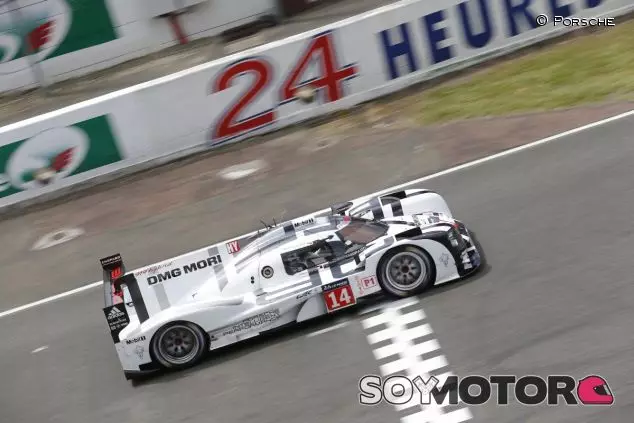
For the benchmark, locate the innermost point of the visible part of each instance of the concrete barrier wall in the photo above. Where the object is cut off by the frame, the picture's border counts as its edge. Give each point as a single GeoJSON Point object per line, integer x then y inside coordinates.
{"type": "Point", "coordinates": [255, 91]}
{"type": "Point", "coordinates": [70, 38]}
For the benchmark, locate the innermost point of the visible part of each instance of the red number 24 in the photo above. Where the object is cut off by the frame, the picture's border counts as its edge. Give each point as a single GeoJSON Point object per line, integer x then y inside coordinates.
{"type": "Point", "coordinates": [227, 127]}
{"type": "Point", "coordinates": [321, 47]}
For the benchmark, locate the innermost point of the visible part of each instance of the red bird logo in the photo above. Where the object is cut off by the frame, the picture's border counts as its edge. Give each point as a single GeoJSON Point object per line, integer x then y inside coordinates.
{"type": "Point", "coordinates": [62, 160]}
{"type": "Point", "coordinates": [40, 35]}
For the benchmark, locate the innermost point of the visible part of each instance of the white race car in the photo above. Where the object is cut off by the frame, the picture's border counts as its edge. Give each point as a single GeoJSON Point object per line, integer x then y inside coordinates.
{"type": "Point", "coordinates": [167, 315]}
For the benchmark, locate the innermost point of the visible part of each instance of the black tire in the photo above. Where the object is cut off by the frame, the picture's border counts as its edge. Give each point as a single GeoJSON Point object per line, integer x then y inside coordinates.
{"type": "Point", "coordinates": [406, 263]}
{"type": "Point", "coordinates": [179, 345]}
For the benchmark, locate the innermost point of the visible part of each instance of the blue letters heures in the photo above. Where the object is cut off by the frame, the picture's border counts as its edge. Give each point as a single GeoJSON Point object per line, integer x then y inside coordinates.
{"type": "Point", "coordinates": [518, 13]}
{"type": "Point", "coordinates": [591, 4]}
{"type": "Point", "coordinates": [436, 34]}
{"type": "Point", "coordinates": [401, 49]}
{"type": "Point", "coordinates": [468, 19]}
{"type": "Point", "coordinates": [474, 24]}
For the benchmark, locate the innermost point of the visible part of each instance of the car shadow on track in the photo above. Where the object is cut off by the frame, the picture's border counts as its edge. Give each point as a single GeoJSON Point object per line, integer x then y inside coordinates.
{"type": "Point", "coordinates": [441, 289]}
{"type": "Point", "coordinates": [249, 346]}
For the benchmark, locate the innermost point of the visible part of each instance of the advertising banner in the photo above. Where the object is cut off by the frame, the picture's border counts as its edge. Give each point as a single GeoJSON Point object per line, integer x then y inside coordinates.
{"type": "Point", "coordinates": [57, 153]}
{"type": "Point", "coordinates": [276, 85]}
{"type": "Point", "coordinates": [347, 63]}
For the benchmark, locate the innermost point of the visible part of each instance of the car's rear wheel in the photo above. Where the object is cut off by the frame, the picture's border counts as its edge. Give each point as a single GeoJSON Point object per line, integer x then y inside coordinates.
{"type": "Point", "coordinates": [406, 271]}
{"type": "Point", "coordinates": [179, 345]}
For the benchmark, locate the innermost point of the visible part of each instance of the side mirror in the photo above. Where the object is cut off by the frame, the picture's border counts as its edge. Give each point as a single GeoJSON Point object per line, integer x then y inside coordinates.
{"type": "Point", "coordinates": [340, 208]}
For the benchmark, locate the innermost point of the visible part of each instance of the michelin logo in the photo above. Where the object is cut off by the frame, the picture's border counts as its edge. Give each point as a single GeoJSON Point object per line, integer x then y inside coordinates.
{"type": "Point", "coordinates": [135, 340]}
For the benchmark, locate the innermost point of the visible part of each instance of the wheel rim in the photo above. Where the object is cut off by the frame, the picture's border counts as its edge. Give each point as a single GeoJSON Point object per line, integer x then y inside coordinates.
{"type": "Point", "coordinates": [179, 344]}
{"type": "Point", "coordinates": [406, 271]}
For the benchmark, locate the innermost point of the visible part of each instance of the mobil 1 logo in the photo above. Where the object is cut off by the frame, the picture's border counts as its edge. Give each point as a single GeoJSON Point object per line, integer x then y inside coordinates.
{"type": "Point", "coordinates": [117, 317]}
{"type": "Point", "coordinates": [189, 268]}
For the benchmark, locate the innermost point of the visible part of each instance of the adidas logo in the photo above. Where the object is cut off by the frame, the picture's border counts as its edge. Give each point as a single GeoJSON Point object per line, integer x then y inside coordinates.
{"type": "Point", "coordinates": [114, 313]}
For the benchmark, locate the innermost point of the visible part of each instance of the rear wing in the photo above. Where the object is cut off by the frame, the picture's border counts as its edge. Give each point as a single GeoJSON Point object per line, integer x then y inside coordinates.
{"type": "Point", "coordinates": [113, 272]}
{"type": "Point", "coordinates": [116, 301]}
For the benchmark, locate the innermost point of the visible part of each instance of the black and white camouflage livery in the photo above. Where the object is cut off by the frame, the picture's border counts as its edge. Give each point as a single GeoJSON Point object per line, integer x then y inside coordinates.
{"type": "Point", "coordinates": [167, 315]}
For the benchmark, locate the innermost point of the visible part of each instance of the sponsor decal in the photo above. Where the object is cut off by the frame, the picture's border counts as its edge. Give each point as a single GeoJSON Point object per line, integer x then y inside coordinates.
{"type": "Point", "coordinates": [116, 273]}
{"type": "Point", "coordinates": [135, 340]}
{"type": "Point", "coordinates": [114, 314]}
{"type": "Point", "coordinates": [190, 268]}
{"type": "Point", "coordinates": [476, 390]}
{"type": "Point", "coordinates": [338, 295]}
{"type": "Point", "coordinates": [164, 276]}
{"type": "Point", "coordinates": [444, 259]}
{"type": "Point", "coordinates": [55, 154]}
{"type": "Point", "coordinates": [107, 261]}
{"type": "Point", "coordinates": [367, 283]}
{"type": "Point", "coordinates": [117, 317]}
{"type": "Point", "coordinates": [304, 222]}
{"type": "Point", "coordinates": [48, 29]}
{"type": "Point", "coordinates": [267, 272]}
{"type": "Point", "coordinates": [152, 270]}
{"type": "Point", "coordinates": [305, 294]}
{"type": "Point", "coordinates": [335, 285]}
{"type": "Point", "coordinates": [233, 247]}
{"type": "Point", "coordinates": [139, 351]}
{"type": "Point", "coordinates": [253, 323]}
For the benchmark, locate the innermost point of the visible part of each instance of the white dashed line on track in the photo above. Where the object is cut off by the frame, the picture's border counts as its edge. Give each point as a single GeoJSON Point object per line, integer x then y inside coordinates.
{"type": "Point", "coordinates": [403, 344]}
{"type": "Point", "coordinates": [328, 329]}
{"type": "Point", "coordinates": [37, 350]}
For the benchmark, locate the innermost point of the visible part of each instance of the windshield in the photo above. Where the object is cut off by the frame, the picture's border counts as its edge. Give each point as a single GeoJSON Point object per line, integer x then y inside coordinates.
{"type": "Point", "coordinates": [361, 231]}
{"type": "Point", "coordinates": [356, 234]}
{"type": "Point", "coordinates": [261, 244]}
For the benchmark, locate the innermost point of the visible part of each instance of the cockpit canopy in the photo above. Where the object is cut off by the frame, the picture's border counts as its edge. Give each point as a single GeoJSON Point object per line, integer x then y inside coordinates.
{"type": "Point", "coordinates": [314, 241]}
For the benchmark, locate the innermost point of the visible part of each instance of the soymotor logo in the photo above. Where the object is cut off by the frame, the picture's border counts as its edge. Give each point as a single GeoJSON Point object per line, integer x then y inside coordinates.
{"type": "Point", "coordinates": [48, 29]}
{"type": "Point", "coordinates": [477, 390]}
{"type": "Point", "coordinates": [55, 154]}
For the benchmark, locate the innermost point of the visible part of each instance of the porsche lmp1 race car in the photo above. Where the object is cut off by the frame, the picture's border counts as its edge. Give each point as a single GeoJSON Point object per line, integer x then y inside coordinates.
{"type": "Point", "coordinates": [167, 315]}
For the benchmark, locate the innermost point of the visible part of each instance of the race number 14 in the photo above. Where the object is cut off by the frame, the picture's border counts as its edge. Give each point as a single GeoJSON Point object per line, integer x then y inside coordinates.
{"type": "Point", "coordinates": [339, 296]}
{"type": "Point", "coordinates": [321, 50]}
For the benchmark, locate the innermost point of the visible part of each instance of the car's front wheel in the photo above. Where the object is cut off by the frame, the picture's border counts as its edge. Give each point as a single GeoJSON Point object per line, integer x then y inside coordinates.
{"type": "Point", "coordinates": [179, 345]}
{"type": "Point", "coordinates": [406, 271]}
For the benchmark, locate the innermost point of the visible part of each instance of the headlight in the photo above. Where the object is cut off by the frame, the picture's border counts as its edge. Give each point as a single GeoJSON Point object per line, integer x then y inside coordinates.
{"type": "Point", "coordinates": [453, 237]}
{"type": "Point", "coordinates": [456, 239]}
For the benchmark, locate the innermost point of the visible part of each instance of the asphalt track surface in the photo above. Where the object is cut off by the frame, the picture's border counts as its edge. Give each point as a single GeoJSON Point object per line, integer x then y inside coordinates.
{"type": "Point", "coordinates": [556, 223]}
